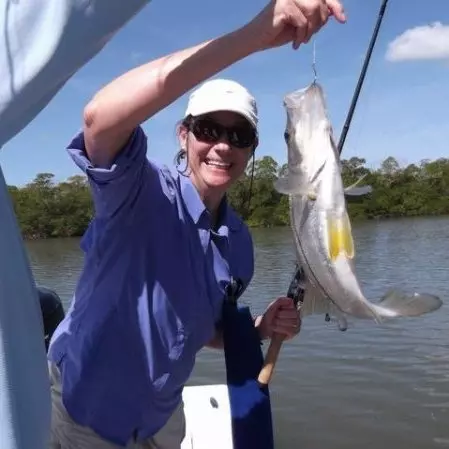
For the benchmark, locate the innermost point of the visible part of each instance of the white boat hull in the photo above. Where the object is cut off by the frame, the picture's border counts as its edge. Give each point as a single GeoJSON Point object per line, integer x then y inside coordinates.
{"type": "Point", "coordinates": [208, 417]}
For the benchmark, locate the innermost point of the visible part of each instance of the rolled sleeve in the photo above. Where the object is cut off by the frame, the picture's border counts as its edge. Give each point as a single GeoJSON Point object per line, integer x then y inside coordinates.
{"type": "Point", "coordinates": [114, 187]}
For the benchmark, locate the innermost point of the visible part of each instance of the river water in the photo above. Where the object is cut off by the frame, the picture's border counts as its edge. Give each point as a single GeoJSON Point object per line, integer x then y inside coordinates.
{"type": "Point", "coordinates": [373, 386]}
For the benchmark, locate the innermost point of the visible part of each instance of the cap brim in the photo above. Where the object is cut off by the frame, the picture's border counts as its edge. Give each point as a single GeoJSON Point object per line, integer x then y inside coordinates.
{"type": "Point", "coordinates": [224, 108]}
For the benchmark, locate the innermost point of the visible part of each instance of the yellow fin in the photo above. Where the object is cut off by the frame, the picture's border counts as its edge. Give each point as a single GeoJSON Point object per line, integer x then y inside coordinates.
{"type": "Point", "coordinates": [340, 238]}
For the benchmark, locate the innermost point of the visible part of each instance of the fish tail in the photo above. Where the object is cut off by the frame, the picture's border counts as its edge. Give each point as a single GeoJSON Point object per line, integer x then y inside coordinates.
{"type": "Point", "coordinates": [398, 304]}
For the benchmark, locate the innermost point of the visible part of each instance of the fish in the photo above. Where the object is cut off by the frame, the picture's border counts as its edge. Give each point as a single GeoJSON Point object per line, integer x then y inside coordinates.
{"type": "Point", "coordinates": [320, 223]}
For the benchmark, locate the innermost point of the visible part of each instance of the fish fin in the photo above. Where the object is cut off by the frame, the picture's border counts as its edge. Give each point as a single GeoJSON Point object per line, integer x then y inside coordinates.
{"type": "Point", "coordinates": [358, 181]}
{"type": "Point", "coordinates": [285, 186]}
{"type": "Point", "coordinates": [353, 190]}
{"type": "Point", "coordinates": [358, 191]}
{"type": "Point", "coordinates": [340, 237]}
{"type": "Point", "coordinates": [340, 317]}
{"type": "Point", "coordinates": [314, 303]}
{"type": "Point", "coordinates": [398, 304]}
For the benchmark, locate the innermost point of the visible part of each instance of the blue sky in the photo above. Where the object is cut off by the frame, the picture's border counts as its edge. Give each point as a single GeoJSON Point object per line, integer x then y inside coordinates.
{"type": "Point", "coordinates": [403, 110]}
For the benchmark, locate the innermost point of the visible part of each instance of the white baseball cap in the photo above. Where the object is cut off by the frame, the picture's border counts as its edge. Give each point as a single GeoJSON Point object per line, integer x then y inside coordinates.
{"type": "Point", "coordinates": [222, 95]}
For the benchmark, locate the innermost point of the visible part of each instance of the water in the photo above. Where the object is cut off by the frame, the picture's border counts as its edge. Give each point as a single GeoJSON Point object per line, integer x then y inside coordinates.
{"type": "Point", "coordinates": [371, 386]}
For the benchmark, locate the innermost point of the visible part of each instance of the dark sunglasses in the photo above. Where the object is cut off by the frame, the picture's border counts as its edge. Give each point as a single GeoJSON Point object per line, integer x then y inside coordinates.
{"type": "Point", "coordinates": [208, 130]}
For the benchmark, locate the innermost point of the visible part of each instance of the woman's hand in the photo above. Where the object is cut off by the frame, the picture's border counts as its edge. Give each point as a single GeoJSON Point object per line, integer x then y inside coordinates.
{"type": "Point", "coordinates": [295, 21]}
{"type": "Point", "coordinates": [282, 317]}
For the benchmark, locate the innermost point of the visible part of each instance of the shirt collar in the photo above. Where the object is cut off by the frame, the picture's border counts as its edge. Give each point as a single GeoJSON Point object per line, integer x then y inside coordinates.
{"type": "Point", "coordinates": [200, 215]}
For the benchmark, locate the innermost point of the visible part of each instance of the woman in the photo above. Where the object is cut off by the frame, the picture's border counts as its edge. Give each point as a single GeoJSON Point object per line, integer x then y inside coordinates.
{"type": "Point", "coordinates": [162, 247]}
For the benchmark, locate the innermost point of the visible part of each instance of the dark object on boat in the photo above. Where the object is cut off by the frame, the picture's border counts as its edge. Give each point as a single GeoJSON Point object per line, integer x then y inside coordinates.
{"type": "Point", "coordinates": [52, 311]}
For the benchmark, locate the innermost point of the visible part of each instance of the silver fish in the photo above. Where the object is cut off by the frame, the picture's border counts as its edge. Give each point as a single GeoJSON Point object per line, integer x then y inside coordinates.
{"type": "Point", "coordinates": [320, 222]}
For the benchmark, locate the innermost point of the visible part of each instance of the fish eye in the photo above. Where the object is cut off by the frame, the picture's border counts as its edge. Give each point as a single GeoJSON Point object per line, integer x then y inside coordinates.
{"type": "Point", "coordinates": [286, 136]}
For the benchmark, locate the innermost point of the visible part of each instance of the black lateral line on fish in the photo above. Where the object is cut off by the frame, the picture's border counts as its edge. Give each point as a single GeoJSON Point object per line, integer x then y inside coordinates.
{"type": "Point", "coordinates": [315, 176]}
{"type": "Point", "coordinates": [317, 283]}
{"type": "Point", "coordinates": [358, 88]}
{"type": "Point", "coordinates": [335, 148]}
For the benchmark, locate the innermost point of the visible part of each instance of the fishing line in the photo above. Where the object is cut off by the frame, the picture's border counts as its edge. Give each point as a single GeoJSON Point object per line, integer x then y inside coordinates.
{"type": "Point", "coordinates": [314, 63]}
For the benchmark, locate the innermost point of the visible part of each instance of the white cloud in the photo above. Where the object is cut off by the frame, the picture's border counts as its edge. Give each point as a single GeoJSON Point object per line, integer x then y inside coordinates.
{"type": "Point", "coordinates": [422, 42]}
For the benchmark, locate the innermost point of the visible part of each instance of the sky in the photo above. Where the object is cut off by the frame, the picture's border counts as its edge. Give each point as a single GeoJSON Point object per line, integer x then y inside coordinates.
{"type": "Point", "coordinates": [403, 109]}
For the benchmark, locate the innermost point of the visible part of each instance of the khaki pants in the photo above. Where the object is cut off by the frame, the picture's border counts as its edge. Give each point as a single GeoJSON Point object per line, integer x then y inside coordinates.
{"type": "Point", "coordinates": [66, 434]}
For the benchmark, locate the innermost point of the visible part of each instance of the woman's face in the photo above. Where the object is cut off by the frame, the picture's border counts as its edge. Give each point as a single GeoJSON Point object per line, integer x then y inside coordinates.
{"type": "Point", "coordinates": [218, 147]}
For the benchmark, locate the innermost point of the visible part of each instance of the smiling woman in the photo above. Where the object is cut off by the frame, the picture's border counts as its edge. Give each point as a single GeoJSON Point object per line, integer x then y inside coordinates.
{"type": "Point", "coordinates": [169, 245]}
{"type": "Point", "coordinates": [167, 310]}
{"type": "Point", "coordinates": [217, 137]}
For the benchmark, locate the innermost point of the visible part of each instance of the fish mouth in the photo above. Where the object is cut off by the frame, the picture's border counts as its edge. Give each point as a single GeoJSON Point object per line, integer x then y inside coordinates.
{"type": "Point", "coordinates": [293, 99]}
{"type": "Point", "coordinates": [310, 100]}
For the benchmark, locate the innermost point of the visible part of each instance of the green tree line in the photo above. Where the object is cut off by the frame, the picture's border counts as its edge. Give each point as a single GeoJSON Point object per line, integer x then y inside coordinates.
{"type": "Point", "coordinates": [47, 209]}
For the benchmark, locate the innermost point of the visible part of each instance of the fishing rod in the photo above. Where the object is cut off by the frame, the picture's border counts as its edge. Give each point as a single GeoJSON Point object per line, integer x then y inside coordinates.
{"type": "Point", "coordinates": [296, 290]}
{"type": "Point", "coordinates": [362, 77]}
